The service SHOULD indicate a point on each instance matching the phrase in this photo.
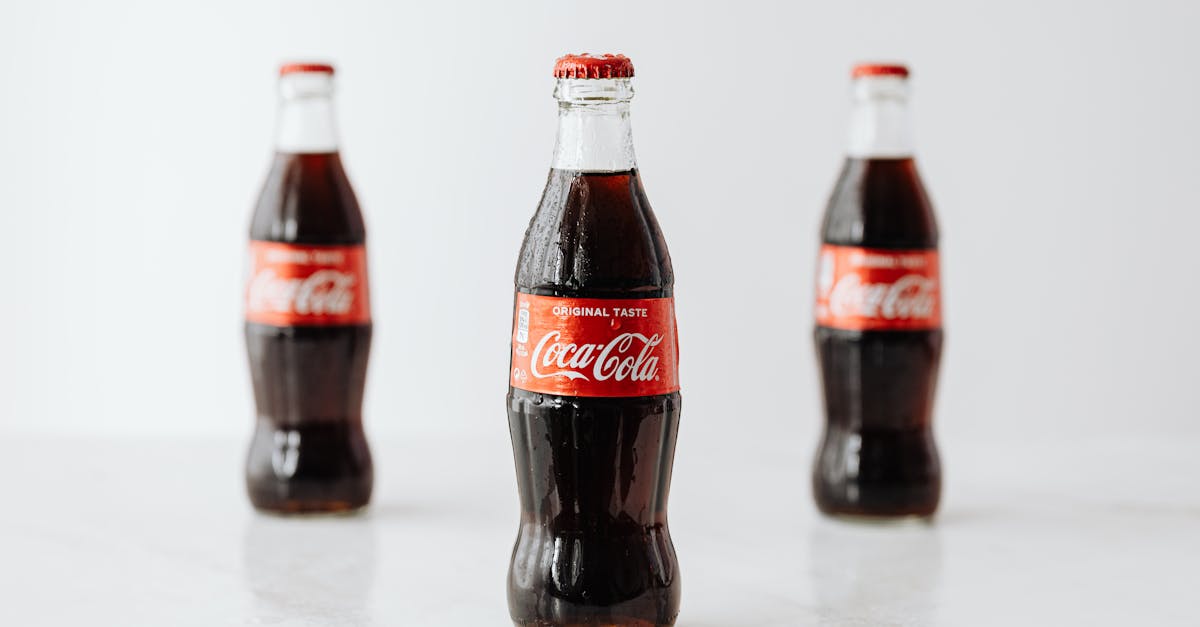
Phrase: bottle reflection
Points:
(871, 571)
(311, 570)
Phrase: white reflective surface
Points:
(159, 533)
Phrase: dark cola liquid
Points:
(593, 473)
(308, 452)
(877, 456)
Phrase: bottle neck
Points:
(594, 133)
(306, 123)
(879, 120)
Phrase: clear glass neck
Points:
(594, 133)
(305, 123)
(879, 120)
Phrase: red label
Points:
(293, 284)
(874, 289)
(595, 346)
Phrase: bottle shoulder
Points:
(594, 235)
(307, 198)
(880, 203)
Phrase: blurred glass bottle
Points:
(878, 316)
(308, 318)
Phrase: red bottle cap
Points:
(290, 68)
(587, 66)
(879, 69)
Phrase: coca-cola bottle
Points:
(308, 319)
(593, 400)
(878, 316)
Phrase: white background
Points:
(1057, 140)
(1058, 145)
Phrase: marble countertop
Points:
(158, 532)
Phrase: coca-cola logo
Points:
(594, 347)
(626, 356)
(910, 296)
(322, 293)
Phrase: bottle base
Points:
(311, 509)
(606, 622)
(878, 474)
(881, 520)
(311, 497)
(880, 510)
(322, 468)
